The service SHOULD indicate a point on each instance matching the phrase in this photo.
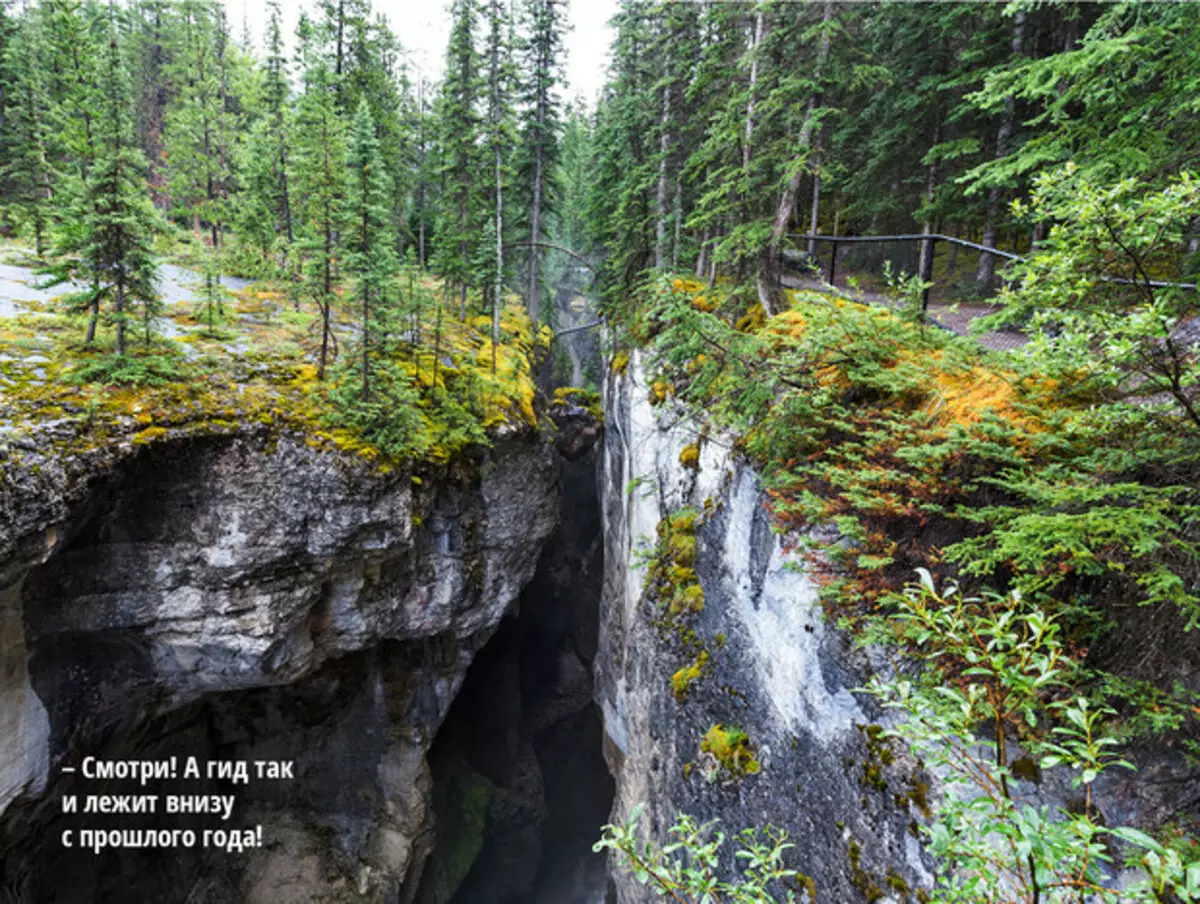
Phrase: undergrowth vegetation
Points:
(924, 450)
(442, 389)
(1067, 516)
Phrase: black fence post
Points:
(833, 246)
(926, 274)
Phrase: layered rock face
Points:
(773, 670)
(249, 597)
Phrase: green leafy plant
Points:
(688, 869)
(994, 705)
(1096, 294)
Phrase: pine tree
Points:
(8, 29)
(277, 92)
(542, 126)
(677, 45)
(575, 174)
(118, 218)
(374, 393)
(422, 127)
(370, 248)
(27, 168)
(198, 124)
(501, 136)
(802, 154)
(149, 55)
(321, 181)
(618, 210)
(213, 294)
(76, 69)
(255, 211)
(337, 23)
(461, 214)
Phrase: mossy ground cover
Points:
(257, 365)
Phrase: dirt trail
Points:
(956, 318)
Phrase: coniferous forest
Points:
(989, 462)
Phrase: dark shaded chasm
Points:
(520, 784)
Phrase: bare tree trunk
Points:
(702, 257)
(925, 264)
(660, 233)
(366, 336)
(91, 330)
(1036, 235)
(815, 214)
(340, 54)
(678, 214)
(120, 287)
(769, 294)
(499, 286)
(535, 214)
(758, 36)
(287, 201)
(327, 292)
(535, 298)
(986, 273)
(421, 155)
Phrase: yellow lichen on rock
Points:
(683, 679)
(732, 750)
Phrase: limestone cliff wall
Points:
(851, 801)
(775, 669)
(248, 596)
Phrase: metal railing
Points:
(927, 260)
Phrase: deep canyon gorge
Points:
(599, 452)
(462, 665)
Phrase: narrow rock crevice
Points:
(520, 784)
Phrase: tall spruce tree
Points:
(501, 137)
(542, 127)
(117, 216)
(460, 216)
(618, 211)
(199, 128)
(370, 248)
(277, 90)
(422, 128)
(27, 167)
(321, 182)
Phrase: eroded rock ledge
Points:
(247, 595)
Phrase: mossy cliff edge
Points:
(766, 728)
(206, 569)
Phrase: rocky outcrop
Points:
(248, 596)
(773, 669)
